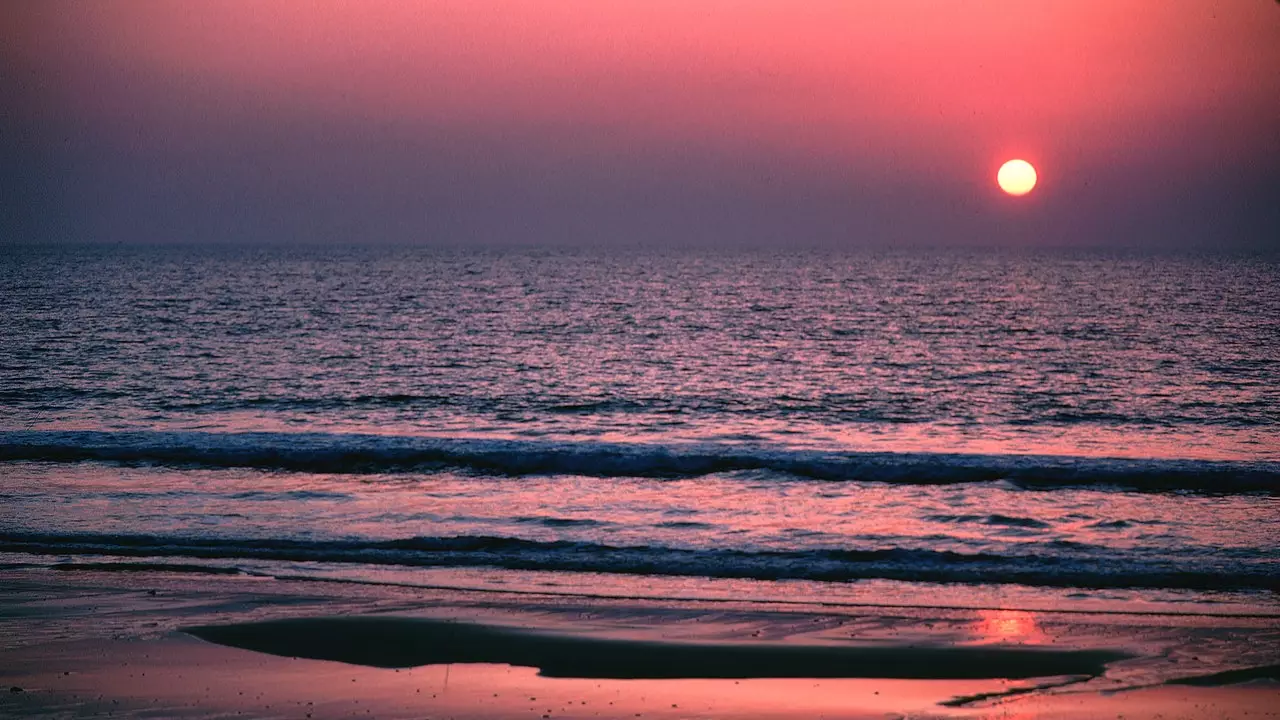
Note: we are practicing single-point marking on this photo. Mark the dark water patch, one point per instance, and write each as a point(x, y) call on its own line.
point(965, 700)
point(1121, 524)
point(394, 642)
point(683, 525)
point(804, 533)
point(1010, 521)
point(289, 495)
point(591, 407)
point(994, 519)
point(147, 567)
point(393, 400)
point(558, 522)
point(1111, 524)
point(1230, 677)
point(56, 393)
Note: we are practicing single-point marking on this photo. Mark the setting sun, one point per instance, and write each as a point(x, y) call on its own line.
point(1016, 177)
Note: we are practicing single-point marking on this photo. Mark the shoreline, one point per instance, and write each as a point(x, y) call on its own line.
point(79, 644)
point(870, 594)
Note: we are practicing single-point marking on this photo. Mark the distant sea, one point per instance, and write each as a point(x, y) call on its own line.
point(1023, 429)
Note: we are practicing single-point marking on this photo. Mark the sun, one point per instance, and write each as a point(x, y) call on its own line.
point(1016, 177)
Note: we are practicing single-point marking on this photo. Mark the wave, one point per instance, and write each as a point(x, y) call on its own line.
point(1088, 570)
point(354, 453)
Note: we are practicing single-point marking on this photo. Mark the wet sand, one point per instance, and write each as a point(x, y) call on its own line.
point(129, 644)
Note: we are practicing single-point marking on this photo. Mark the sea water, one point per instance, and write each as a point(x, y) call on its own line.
point(1021, 428)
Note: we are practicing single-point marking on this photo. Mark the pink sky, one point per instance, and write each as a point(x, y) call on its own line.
point(887, 97)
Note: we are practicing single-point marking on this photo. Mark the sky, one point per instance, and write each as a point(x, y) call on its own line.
point(598, 122)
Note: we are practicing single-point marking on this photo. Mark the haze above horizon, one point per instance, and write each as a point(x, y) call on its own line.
point(627, 122)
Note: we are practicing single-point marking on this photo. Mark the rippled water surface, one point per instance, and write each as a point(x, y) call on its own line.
point(1055, 420)
point(1128, 356)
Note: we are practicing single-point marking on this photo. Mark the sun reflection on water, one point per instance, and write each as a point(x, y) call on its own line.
point(1008, 627)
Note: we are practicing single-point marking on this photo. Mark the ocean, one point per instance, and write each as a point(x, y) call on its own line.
point(997, 429)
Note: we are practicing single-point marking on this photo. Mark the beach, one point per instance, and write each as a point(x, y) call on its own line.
point(90, 643)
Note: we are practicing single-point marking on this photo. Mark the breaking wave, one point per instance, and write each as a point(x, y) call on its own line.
point(1088, 567)
point(354, 453)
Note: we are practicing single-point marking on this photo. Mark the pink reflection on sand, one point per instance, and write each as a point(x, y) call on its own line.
point(179, 671)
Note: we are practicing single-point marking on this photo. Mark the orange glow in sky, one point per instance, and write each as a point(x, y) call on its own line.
point(916, 82)
point(765, 104)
